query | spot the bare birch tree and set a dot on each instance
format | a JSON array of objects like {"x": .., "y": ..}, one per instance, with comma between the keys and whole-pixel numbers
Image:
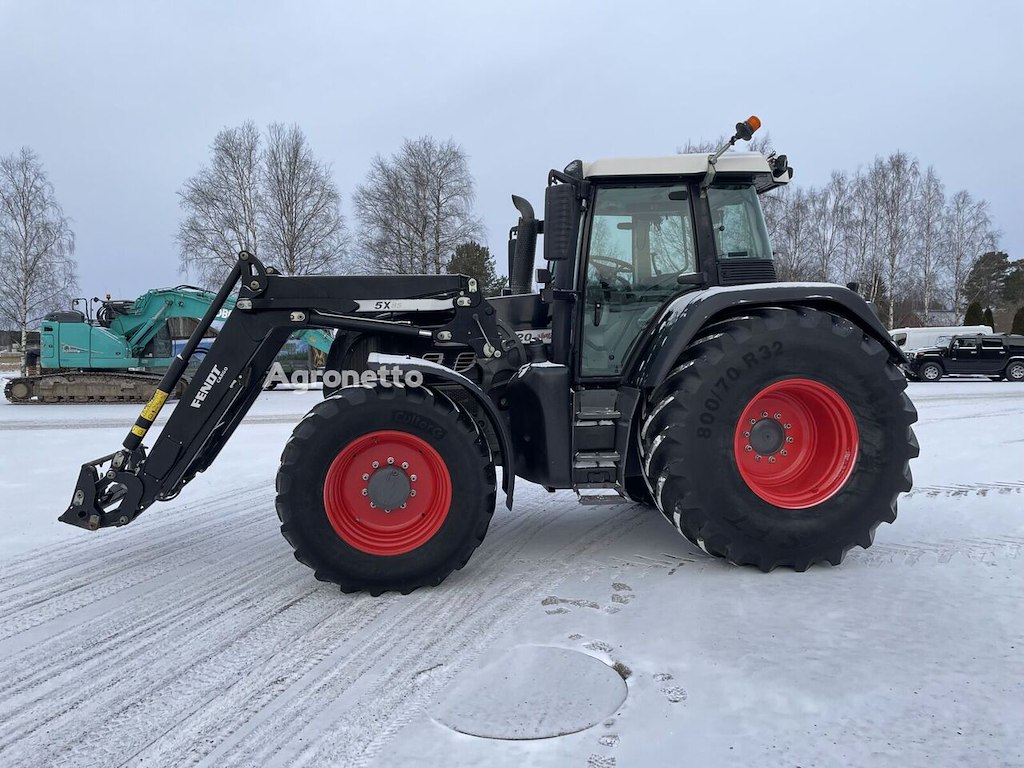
[
  {"x": 788, "y": 217},
  {"x": 928, "y": 215},
  {"x": 37, "y": 268},
  {"x": 968, "y": 234},
  {"x": 898, "y": 176},
  {"x": 864, "y": 236},
  {"x": 270, "y": 197},
  {"x": 828, "y": 210},
  {"x": 221, "y": 205},
  {"x": 416, "y": 207},
  {"x": 302, "y": 231}
]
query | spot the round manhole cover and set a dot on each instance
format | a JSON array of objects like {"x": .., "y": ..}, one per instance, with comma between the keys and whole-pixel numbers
[{"x": 532, "y": 692}]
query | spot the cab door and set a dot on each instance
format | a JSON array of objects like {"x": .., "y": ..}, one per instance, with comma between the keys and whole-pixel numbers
[{"x": 640, "y": 240}]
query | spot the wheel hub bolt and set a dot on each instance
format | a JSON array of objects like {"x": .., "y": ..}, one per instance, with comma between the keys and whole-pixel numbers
[
  {"x": 412, "y": 492},
  {"x": 365, "y": 492},
  {"x": 748, "y": 448},
  {"x": 375, "y": 464},
  {"x": 764, "y": 414},
  {"x": 391, "y": 459},
  {"x": 787, "y": 425},
  {"x": 771, "y": 459},
  {"x": 778, "y": 416},
  {"x": 789, "y": 439},
  {"x": 413, "y": 478},
  {"x": 366, "y": 476},
  {"x": 757, "y": 458},
  {"x": 405, "y": 465},
  {"x": 783, "y": 452},
  {"x": 372, "y": 505}
]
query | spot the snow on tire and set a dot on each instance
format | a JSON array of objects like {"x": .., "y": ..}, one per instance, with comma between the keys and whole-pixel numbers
[{"x": 782, "y": 438}]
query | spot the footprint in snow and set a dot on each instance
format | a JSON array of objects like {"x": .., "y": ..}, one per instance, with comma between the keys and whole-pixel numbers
[
  {"x": 553, "y": 600},
  {"x": 673, "y": 693}
]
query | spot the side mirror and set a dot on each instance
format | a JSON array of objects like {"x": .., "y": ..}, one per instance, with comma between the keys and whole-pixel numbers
[{"x": 561, "y": 222}]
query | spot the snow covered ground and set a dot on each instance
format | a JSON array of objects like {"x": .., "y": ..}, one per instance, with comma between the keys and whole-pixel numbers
[{"x": 192, "y": 637}]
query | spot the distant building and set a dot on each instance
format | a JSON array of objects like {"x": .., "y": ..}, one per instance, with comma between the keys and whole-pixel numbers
[{"x": 10, "y": 341}]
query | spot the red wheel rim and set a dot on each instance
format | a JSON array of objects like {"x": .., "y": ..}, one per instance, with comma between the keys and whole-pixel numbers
[
  {"x": 415, "y": 518},
  {"x": 796, "y": 443}
]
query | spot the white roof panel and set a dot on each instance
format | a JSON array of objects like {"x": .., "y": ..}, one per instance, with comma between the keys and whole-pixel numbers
[{"x": 676, "y": 165}]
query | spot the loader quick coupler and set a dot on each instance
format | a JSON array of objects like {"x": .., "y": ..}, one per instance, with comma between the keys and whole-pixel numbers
[{"x": 110, "y": 499}]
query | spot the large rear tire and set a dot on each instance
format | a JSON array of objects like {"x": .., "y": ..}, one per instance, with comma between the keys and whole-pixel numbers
[
  {"x": 385, "y": 489},
  {"x": 782, "y": 438}
]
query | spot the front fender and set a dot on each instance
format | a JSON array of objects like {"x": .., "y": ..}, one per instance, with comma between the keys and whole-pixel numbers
[
  {"x": 427, "y": 368},
  {"x": 682, "y": 319}
]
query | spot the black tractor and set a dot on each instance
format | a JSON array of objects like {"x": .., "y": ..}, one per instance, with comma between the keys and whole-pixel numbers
[{"x": 660, "y": 361}]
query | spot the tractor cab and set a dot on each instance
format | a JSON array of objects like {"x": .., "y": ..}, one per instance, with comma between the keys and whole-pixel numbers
[{"x": 623, "y": 237}]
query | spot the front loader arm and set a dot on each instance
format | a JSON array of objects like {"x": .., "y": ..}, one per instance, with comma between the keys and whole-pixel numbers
[{"x": 268, "y": 310}]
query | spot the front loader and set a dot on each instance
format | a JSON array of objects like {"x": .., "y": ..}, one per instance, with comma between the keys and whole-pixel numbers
[{"x": 660, "y": 361}]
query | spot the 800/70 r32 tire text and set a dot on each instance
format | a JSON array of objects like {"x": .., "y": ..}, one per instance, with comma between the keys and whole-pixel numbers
[
  {"x": 385, "y": 489},
  {"x": 782, "y": 438}
]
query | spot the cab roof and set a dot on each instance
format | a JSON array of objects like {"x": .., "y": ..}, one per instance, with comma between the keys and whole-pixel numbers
[{"x": 676, "y": 165}]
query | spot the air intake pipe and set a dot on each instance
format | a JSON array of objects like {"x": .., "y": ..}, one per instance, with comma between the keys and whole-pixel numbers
[{"x": 523, "y": 247}]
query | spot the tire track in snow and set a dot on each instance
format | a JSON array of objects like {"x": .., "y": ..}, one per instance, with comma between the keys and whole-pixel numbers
[
  {"x": 125, "y": 422},
  {"x": 160, "y": 646},
  {"x": 42, "y": 585},
  {"x": 371, "y": 675},
  {"x": 75, "y": 676},
  {"x": 497, "y": 614},
  {"x": 957, "y": 489},
  {"x": 983, "y": 549}
]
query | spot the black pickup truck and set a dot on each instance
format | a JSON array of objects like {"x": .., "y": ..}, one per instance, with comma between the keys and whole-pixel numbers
[{"x": 997, "y": 356}]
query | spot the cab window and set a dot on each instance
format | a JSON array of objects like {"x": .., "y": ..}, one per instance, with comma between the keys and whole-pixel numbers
[
  {"x": 641, "y": 239},
  {"x": 738, "y": 222}
]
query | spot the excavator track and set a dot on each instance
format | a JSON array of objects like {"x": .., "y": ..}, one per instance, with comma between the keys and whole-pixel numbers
[{"x": 86, "y": 387}]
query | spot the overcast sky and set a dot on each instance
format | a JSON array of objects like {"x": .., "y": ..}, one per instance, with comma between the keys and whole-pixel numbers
[{"x": 121, "y": 100}]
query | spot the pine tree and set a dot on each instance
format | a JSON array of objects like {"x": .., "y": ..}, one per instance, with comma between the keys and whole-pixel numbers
[
  {"x": 1018, "y": 321},
  {"x": 989, "y": 320},
  {"x": 476, "y": 261},
  {"x": 974, "y": 314}
]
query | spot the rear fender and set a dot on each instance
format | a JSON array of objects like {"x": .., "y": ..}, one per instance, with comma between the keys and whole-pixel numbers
[
  {"x": 683, "y": 318},
  {"x": 435, "y": 371}
]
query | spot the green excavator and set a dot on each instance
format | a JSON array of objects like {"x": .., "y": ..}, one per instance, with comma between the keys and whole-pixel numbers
[{"x": 120, "y": 354}]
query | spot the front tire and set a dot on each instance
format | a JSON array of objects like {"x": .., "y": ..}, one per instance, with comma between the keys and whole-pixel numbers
[
  {"x": 929, "y": 372},
  {"x": 1015, "y": 371},
  {"x": 385, "y": 489},
  {"x": 782, "y": 438}
]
